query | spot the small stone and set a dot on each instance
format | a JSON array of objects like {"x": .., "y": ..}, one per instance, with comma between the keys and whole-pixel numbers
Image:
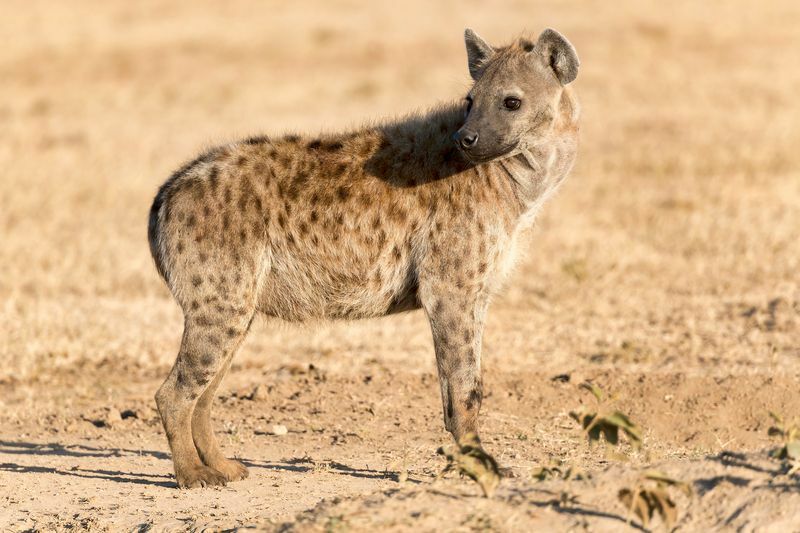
[
  {"x": 112, "y": 417},
  {"x": 260, "y": 394},
  {"x": 279, "y": 429}
]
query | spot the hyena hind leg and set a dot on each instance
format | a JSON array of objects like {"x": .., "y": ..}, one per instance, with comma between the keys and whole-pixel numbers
[
  {"x": 205, "y": 353},
  {"x": 203, "y": 434}
]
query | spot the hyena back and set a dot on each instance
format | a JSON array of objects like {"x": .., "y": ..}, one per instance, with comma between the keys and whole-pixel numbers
[{"x": 422, "y": 212}]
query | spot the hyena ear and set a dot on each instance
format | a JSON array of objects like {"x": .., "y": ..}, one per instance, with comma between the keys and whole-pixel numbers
[
  {"x": 559, "y": 54},
  {"x": 478, "y": 53}
]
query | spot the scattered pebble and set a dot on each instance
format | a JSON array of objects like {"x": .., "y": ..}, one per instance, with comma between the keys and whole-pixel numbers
[
  {"x": 112, "y": 417},
  {"x": 279, "y": 429},
  {"x": 260, "y": 394}
]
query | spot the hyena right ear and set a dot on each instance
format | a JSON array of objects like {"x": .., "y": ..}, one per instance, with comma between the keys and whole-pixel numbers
[{"x": 478, "y": 53}]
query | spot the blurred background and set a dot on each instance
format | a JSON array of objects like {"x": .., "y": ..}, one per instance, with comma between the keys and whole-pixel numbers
[
  {"x": 682, "y": 212},
  {"x": 667, "y": 269}
]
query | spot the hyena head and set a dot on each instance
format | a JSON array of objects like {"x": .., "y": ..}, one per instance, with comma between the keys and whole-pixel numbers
[{"x": 514, "y": 99}]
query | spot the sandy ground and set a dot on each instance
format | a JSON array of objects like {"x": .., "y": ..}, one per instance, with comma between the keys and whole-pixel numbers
[{"x": 666, "y": 270}]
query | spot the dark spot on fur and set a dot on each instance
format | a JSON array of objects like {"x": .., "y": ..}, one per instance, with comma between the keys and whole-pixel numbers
[
  {"x": 313, "y": 145},
  {"x": 243, "y": 236},
  {"x": 231, "y": 332},
  {"x": 334, "y": 146},
  {"x": 240, "y": 161},
  {"x": 282, "y": 221},
  {"x": 449, "y": 405},
  {"x": 342, "y": 193},
  {"x": 313, "y": 217},
  {"x": 197, "y": 281},
  {"x": 180, "y": 247},
  {"x": 207, "y": 359},
  {"x": 292, "y": 138},
  {"x": 206, "y": 211},
  {"x": 204, "y": 320},
  {"x": 527, "y": 46},
  {"x": 213, "y": 178},
  {"x": 396, "y": 253},
  {"x": 256, "y": 139},
  {"x": 397, "y": 214},
  {"x": 191, "y": 221},
  {"x": 474, "y": 398},
  {"x": 228, "y": 194},
  {"x": 341, "y": 168},
  {"x": 203, "y": 257},
  {"x": 303, "y": 228},
  {"x": 195, "y": 305}
]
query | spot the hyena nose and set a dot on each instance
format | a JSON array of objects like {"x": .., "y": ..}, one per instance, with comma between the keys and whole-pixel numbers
[{"x": 467, "y": 138}]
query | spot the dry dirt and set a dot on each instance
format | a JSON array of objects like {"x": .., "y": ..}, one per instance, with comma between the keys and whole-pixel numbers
[{"x": 666, "y": 270}]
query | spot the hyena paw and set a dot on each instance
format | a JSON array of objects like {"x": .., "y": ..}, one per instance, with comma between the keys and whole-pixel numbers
[
  {"x": 232, "y": 470},
  {"x": 200, "y": 476}
]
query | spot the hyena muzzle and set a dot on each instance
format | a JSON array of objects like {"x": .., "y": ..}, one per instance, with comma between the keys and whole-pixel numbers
[{"x": 420, "y": 212}]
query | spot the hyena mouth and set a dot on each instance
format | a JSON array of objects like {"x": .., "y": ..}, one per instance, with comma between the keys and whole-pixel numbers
[{"x": 490, "y": 156}]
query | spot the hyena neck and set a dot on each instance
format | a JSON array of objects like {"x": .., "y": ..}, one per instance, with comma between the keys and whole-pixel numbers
[
  {"x": 537, "y": 171},
  {"x": 421, "y": 146}
]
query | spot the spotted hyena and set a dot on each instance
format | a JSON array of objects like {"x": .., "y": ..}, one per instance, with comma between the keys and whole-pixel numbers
[{"x": 421, "y": 212}]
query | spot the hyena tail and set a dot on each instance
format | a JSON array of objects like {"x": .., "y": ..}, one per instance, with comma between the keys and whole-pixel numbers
[{"x": 153, "y": 229}]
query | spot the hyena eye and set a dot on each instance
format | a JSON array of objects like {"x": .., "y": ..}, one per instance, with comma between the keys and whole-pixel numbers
[
  {"x": 512, "y": 103},
  {"x": 469, "y": 103}
]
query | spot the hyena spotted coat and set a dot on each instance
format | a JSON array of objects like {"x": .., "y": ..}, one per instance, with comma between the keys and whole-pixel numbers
[{"x": 420, "y": 212}]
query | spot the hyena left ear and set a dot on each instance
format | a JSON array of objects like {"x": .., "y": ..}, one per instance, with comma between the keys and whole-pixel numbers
[
  {"x": 558, "y": 54},
  {"x": 478, "y": 53}
]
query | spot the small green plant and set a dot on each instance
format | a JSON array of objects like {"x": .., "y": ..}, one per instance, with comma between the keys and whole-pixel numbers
[
  {"x": 559, "y": 471},
  {"x": 650, "y": 496},
  {"x": 469, "y": 458},
  {"x": 789, "y": 433},
  {"x": 605, "y": 422}
]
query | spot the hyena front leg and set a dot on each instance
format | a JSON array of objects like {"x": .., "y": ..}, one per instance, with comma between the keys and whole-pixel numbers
[
  {"x": 209, "y": 342},
  {"x": 456, "y": 321}
]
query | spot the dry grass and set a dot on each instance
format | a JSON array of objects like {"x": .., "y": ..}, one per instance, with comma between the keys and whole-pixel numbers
[
  {"x": 673, "y": 248},
  {"x": 681, "y": 214}
]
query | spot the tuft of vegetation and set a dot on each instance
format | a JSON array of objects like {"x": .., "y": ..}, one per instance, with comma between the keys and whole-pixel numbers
[
  {"x": 559, "y": 471},
  {"x": 789, "y": 451},
  {"x": 605, "y": 422},
  {"x": 470, "y": 459},
  {"x": 650, "y": 496}
]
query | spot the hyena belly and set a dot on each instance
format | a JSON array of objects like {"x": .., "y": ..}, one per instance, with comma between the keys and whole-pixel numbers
[{"x": 334, "y": 253}]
